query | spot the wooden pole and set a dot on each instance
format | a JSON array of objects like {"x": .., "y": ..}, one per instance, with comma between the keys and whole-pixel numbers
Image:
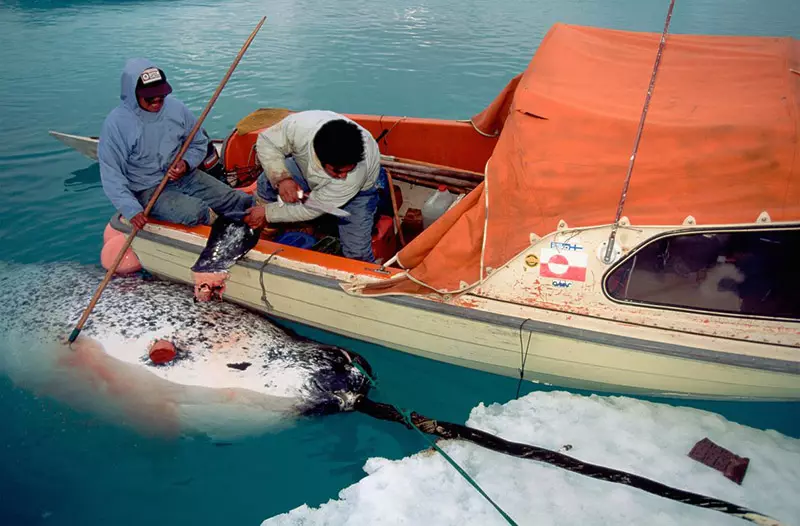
[
  {"x": 454, "y": 173},
  {"x": 459, "y": 183},
  {"x": 394, "y": 209},
  {"x": 178, "y": 158},
  {"x": 393, "y": 159},
  {"x": 431, "y": 184}
]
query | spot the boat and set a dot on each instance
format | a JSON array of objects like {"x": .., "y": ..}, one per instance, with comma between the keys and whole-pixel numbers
[{"x": 675, "y": 279}]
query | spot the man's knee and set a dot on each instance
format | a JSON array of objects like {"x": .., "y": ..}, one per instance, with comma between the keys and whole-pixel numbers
[
  {"x": 193, "y": 217},
  {"x": 189, "y": 212},
  {"x": 201, "y": 217}
]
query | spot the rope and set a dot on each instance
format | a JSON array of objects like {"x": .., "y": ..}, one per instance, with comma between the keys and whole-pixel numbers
[
  {"x": 382, "y": 136},
  {"x": 523, "y": 355},
  {"x": 261, "y": 278},
  {"x": 626, "y": 185},
  {"x": 410, "y": 424},
  {"x": 481, "y": 132}
]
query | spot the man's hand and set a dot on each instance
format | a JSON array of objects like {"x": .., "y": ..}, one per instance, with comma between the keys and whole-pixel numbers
[
  {"x": 139, "y": 220},
  {"x": 178, "y": 171},
  {"x": 256, "y": 217},
  {"x": 288, "y": 190}
]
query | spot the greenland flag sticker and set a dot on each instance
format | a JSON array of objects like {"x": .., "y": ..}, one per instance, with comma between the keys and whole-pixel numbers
[{"x": 563, "y": 264}]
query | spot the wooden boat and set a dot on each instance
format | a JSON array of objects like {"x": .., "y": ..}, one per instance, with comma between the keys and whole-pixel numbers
[{"x": 692, "y": 293}]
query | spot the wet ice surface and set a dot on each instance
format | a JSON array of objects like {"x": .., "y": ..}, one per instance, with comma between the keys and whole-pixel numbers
[{"x": 639, "y": 437}]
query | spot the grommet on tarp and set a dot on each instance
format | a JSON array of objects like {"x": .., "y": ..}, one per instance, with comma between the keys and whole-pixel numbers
[
  {"x": 730, "y": 464},
  {"x": 763, "y": 217},
  {"x": 162, "y": 352}
]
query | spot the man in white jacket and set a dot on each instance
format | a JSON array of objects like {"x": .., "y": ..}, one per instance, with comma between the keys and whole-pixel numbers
[{"x": 329, "y": 156}]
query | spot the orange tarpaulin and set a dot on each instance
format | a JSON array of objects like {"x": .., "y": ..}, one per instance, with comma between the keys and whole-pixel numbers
[{"x": 720, "y": 143}]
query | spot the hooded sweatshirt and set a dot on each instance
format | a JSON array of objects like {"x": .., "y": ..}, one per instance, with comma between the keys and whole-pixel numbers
[
  {"x": 294, "y": 136},
  {"x": 137, "y": 146}
]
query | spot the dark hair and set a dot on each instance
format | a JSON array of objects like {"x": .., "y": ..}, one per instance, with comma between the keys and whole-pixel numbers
[{"x": 339, "y": 143}]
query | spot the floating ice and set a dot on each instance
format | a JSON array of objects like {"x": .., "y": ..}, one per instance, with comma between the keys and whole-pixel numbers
[{"x": 644, "y": 438}]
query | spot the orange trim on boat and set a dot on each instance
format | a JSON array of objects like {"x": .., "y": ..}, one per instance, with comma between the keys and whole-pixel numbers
[{"x": 300, "y": 255}]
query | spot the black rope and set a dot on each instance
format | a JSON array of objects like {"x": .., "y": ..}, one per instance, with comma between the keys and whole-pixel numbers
[
  {"x": 386, "y": 131},
  {"x": 523, "y": 353},
  {"x": 452, "y": 431},
  {"x": 383, "y": 134}
]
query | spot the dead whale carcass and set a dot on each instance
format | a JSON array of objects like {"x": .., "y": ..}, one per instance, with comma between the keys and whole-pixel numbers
[{"x": 222, "y": 351}]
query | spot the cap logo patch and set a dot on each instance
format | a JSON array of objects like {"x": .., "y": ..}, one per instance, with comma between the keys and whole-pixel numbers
[{"x": 150, "y": 75}]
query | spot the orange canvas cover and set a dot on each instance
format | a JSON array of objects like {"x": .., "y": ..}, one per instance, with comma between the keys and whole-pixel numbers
[{"x": 720, "y": 143}]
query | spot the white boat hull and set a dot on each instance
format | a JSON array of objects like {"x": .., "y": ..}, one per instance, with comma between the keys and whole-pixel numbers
[
  {"x": 566, "y": 349},
  {"x": 487, "y": 339}
]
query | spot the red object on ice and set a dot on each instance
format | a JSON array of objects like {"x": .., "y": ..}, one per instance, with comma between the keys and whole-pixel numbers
[
  {"x": 162, "y": 352},
  {"x": 730, "y": 464}
]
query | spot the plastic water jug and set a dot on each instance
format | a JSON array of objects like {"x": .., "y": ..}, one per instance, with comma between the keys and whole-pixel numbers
[{"x": 436, "y": 205}]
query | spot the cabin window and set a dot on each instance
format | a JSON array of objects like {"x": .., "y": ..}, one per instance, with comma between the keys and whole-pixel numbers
[{"x": 749, "y": 272}]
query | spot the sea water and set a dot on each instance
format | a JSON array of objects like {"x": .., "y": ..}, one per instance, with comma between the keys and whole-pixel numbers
[{"x": 437, "y": 58}]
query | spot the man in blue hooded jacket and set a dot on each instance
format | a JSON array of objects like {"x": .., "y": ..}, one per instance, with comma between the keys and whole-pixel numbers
[{"x": 139, "y": 140}]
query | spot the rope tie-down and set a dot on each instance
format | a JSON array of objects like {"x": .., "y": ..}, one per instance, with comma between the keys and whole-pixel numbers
[{"x": 447, "y": 430}]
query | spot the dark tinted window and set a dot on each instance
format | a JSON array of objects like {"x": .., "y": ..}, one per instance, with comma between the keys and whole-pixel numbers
[{"x": 749, "y": 272}]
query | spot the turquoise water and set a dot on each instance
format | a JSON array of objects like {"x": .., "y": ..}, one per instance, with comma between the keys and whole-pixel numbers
[{"x": 436, "y": 58}]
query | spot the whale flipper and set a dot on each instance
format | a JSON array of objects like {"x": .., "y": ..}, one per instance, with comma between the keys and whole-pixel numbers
[{"x": 228, "y": 242}]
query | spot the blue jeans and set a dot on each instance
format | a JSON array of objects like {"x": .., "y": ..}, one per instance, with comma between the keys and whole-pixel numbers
[
  {"x": 187, "y": 200},
  {"x": 355, "y": 232}
]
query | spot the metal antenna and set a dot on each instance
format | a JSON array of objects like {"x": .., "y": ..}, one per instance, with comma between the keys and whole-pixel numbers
[{"x": 613, "y": 236}]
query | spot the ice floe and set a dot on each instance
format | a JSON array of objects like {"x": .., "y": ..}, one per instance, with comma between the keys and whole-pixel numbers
[{"x": 644, "y": 438}]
